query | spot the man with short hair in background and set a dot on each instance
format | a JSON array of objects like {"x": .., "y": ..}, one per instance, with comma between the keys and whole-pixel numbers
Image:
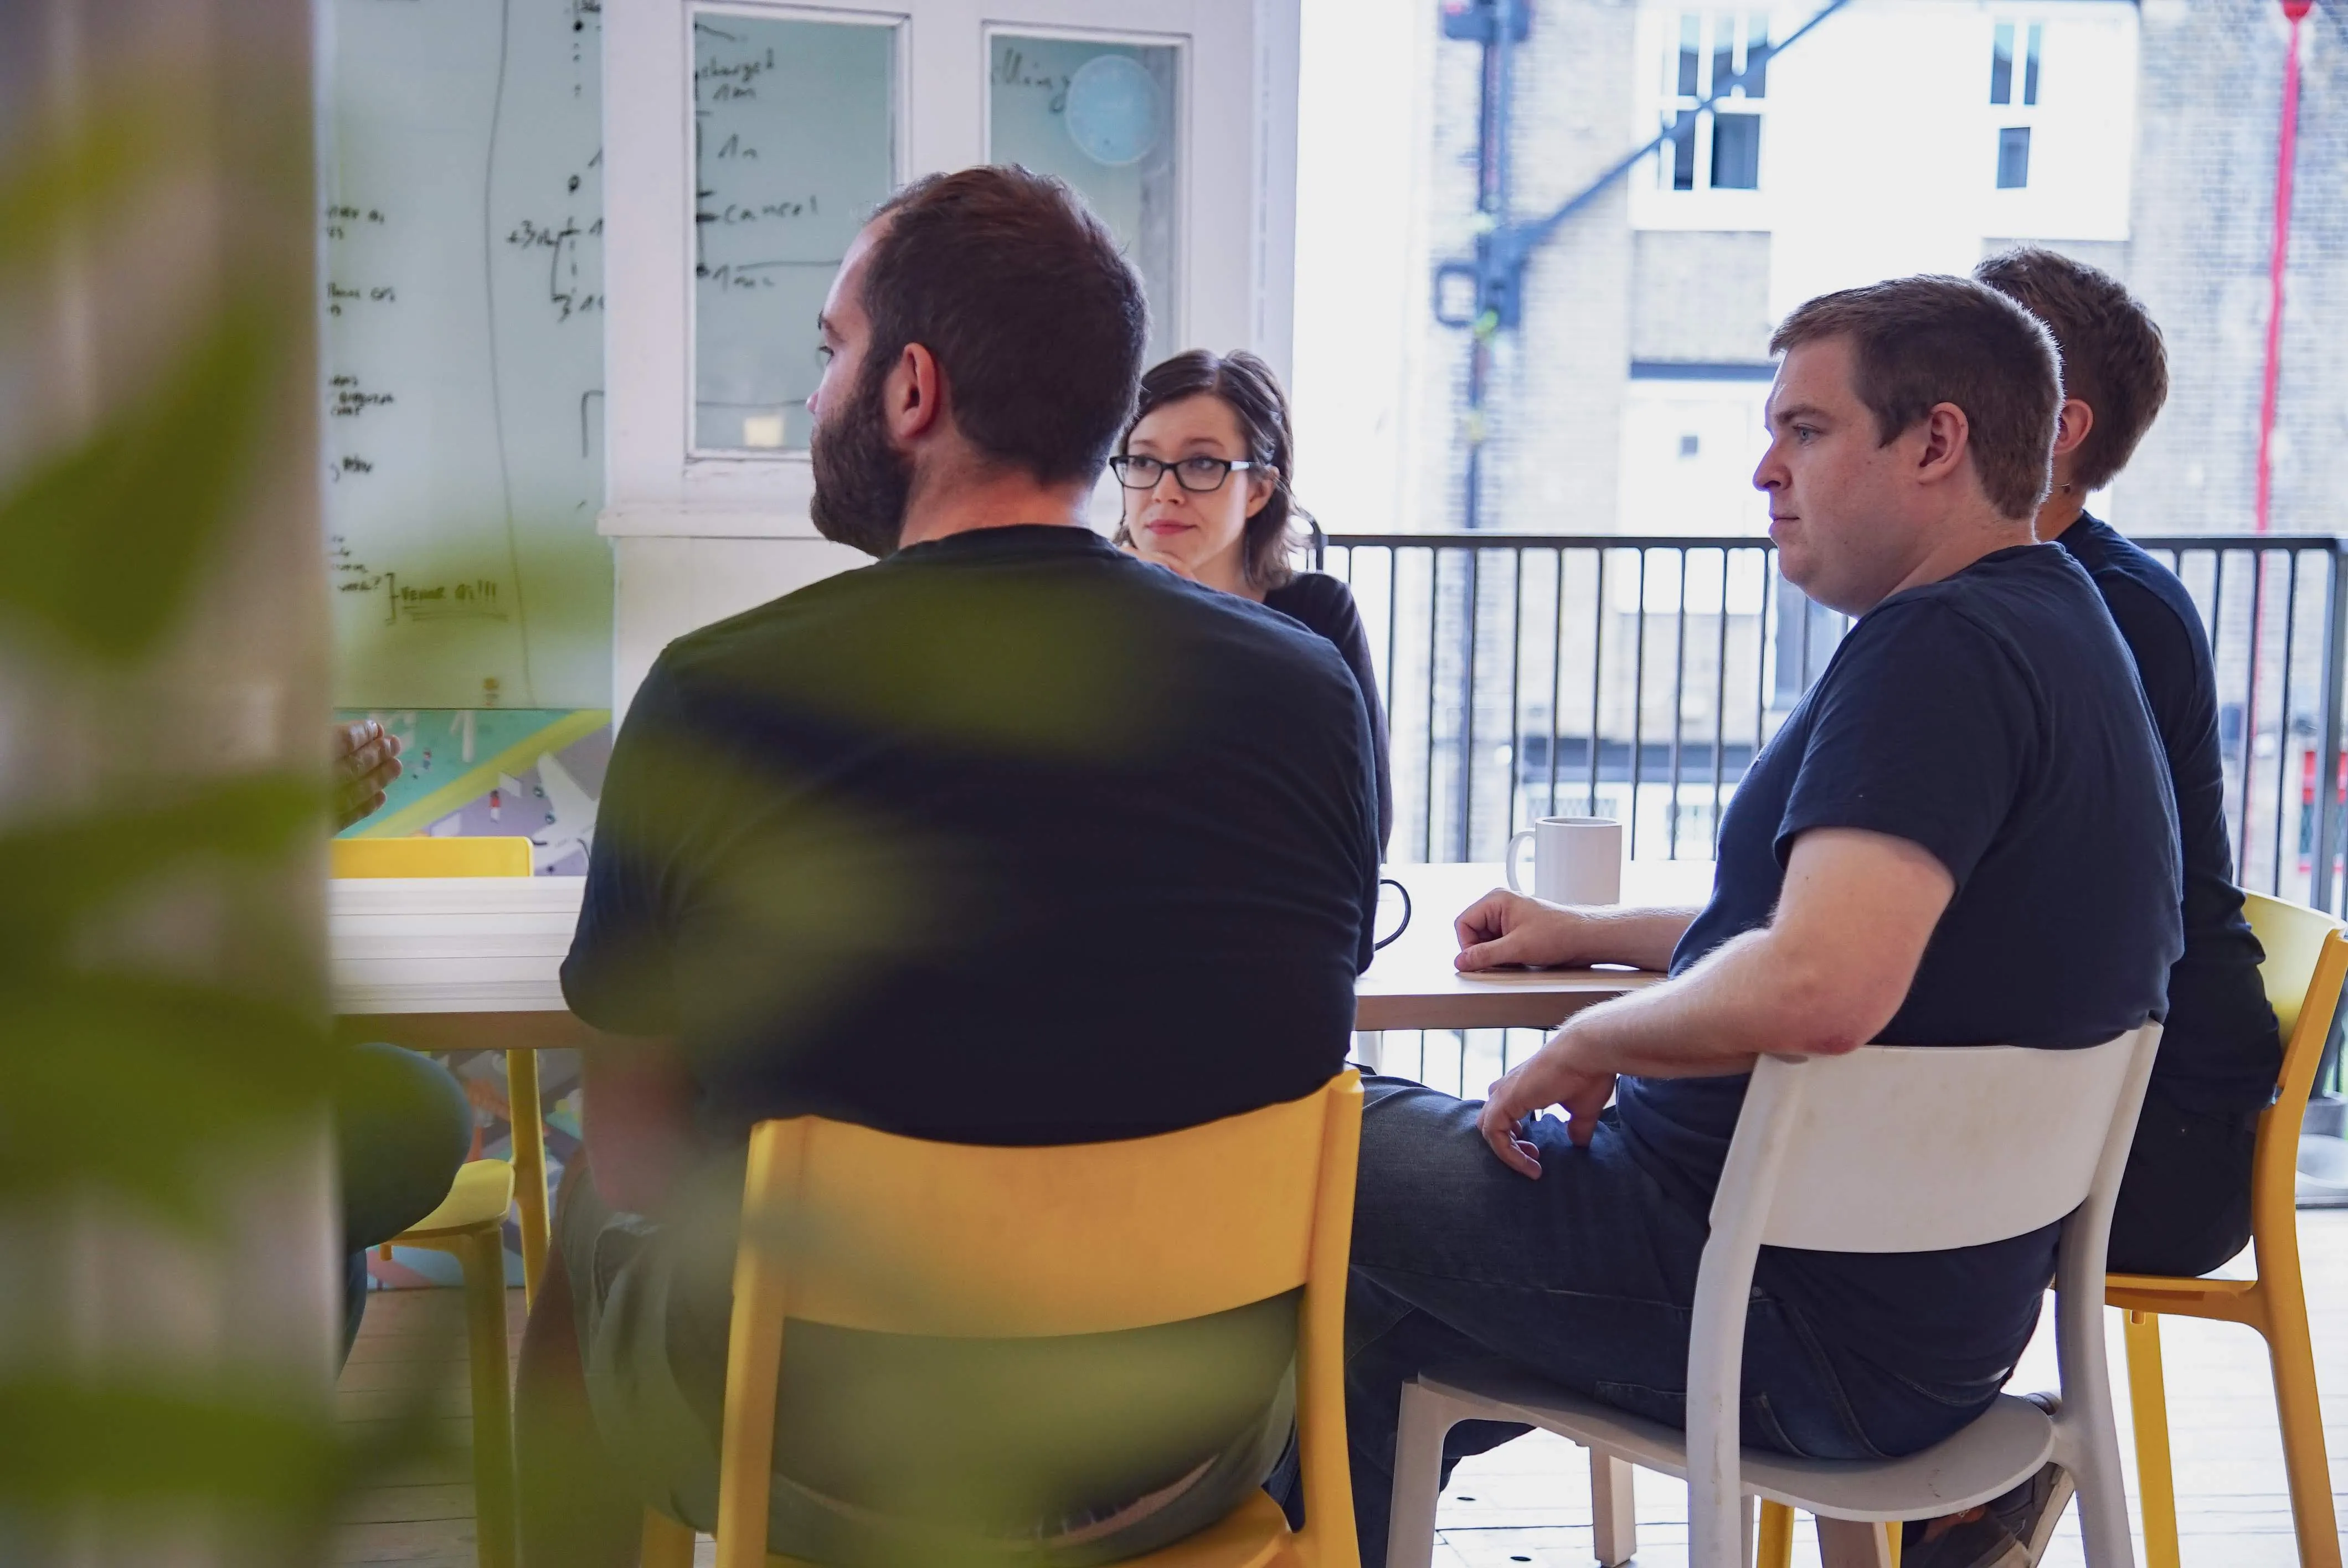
[
  {"x": 1008, "y": 839},
  {"x": 1962, "y": 836},
  {"x": 2185, "y": 1203}
]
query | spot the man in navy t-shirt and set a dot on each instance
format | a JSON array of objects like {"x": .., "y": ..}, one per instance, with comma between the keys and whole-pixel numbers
[
  {"x": 1962, "y": 836},
  {"x": 2185, "y": 1205}
]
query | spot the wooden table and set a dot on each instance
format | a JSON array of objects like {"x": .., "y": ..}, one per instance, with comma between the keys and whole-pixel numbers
[
  {"x": 458, "y": 963},
  {"x": 474, "y": 963},
  {"x": 1412, "y": 984}
]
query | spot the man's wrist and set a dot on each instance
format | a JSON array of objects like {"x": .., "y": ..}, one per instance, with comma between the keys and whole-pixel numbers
[{"x": 1579, "y": 1047}]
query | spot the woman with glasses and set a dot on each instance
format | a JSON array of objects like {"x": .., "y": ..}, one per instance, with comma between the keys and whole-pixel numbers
[{"x": 1205, "y": 465}]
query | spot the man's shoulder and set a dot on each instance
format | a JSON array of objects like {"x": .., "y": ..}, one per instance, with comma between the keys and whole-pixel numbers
[
  {"x": 2144, "y": 596},
  {"x": 761, "y": 629}
]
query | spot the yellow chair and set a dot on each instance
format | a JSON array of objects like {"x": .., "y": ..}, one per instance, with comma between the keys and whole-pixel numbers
[
  {"x": 2307, "y": 959},
  {"x": 1085, "y": 1239},
  {"x": 469, "y": 1224}
]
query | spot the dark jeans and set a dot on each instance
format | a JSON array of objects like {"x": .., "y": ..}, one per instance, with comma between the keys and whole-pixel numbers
[
  {"x": 402, "y": 1127},
  {"x": 2185, "y": 1203},
  {"x": 1586, "y": 1277}
]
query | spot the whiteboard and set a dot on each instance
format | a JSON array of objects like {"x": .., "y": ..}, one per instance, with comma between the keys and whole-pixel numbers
[
  {"x": 464, "y": 354},
  {"x": 795, "y": 143}
]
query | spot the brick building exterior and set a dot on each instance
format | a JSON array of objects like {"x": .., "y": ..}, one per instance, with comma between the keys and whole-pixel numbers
[
  {"x": 1609, "y": 304},
  {"x": 2210, "y": 91}
]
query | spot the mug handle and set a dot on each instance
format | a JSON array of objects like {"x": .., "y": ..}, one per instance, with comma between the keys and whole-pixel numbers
[
  {"x": 1509, "y": 858},
  {"x": 1378, "y": 943}
]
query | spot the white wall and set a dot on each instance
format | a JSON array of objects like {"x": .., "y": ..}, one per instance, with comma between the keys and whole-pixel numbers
[{"x": 1361, "y": 258}]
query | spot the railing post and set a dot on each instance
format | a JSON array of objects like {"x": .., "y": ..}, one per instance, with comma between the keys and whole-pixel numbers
[{"x": 2322, "y": 890}]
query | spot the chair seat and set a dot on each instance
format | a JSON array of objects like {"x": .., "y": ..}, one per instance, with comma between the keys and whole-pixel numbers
[
  {"x": 2008, "y": 1442},
  {"x": 2128, "y": 1289},
  {"x": 1253, "y": 1535},
  {"x": 480, "y": 1195}
]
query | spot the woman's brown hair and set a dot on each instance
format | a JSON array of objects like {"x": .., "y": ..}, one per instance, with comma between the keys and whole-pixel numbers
[{"x": 1247, "y": 387}]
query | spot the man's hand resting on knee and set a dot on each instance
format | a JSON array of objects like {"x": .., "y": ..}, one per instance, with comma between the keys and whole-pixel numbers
[{"x": 1828, "y": 972}]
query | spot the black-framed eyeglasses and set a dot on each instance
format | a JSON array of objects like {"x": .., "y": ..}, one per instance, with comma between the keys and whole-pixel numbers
[{"x": 1199, "y": 475}]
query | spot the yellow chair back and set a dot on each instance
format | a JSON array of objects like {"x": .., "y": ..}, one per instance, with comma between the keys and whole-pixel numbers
[
  {"x": 845, "y": 1225},
  {"x": 420, "y": 856},
  {"x": 2306, "y": 963}
]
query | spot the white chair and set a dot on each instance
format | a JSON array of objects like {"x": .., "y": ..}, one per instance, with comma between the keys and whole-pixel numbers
[{"x": 1889, "y": 1149}]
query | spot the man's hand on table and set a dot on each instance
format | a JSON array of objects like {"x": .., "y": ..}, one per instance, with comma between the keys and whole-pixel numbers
[
  {"x": 1557, "y": 1074},
  {"x": 366, "y": 762},
  {"x": 1504, "y": 928}
]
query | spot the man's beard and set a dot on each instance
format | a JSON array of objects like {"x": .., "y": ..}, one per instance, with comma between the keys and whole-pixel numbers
[{"x": 862, "y": 483}]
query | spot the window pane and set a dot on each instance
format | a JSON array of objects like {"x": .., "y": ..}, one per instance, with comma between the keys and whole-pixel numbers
[
  {"x": 1756, "y": 56},
  {"x": 2001, "y": 65},
  {"x": 1691, "y": 44},
  {"x": 2014, "y": 158},
  {"x": 1736, "y": 152},
  {"x": 1101, "y": 116},
  {"x": 1683, "y": 129},
  {"x": 1723, "y": 52},
  {"x": 794, "y": 143},
  {"x": 2029, "y": 68}
]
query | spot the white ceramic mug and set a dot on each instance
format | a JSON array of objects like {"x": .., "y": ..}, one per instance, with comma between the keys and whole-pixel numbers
[{"x": 1576, "y": 859}]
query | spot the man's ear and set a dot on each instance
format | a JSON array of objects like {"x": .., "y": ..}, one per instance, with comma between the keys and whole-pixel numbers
[
  {"x": 1946, "y": 441},
  {"x": 2073, "y": 420},
  {"x": 913, "y": 399}
]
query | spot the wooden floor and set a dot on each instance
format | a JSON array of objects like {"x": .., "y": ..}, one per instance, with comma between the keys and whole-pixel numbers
[{"x": 1527, "y": 1503}]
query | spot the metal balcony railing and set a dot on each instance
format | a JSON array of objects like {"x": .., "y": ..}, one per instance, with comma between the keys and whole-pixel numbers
[{"x": 1635, "y": 677}]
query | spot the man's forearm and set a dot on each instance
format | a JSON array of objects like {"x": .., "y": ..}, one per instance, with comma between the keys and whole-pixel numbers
[
  {"x": 1750, "y": 996},
  {"x": 1642, "y": 936},
  {"x": 635, "y": 1117}
]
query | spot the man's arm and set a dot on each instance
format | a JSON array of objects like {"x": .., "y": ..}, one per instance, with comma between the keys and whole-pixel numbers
[
  {"x": 635, "y": 1117},
  {"x": 1823, "y": 978},
  {"x": 1503, "y": 928}
]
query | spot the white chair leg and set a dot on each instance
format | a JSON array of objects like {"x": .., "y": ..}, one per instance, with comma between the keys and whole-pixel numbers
[
  {"x": 1852, "y": 1543},
  {"x": 1370, "y": 1049},
  {"x": 1748, "y": 1509},
  {"x": 1426, "y": 1419},
  {"x": 1612, "y": 1509},
  {"x": 2102, "y": 1498}
]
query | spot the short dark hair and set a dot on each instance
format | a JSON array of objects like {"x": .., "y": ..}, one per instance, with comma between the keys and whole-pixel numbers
[
  {"x": 1035, "y": 317},
  {"x": 1247, "y": 387},
  {"x": 2113, "y": 358},
  {"x": 1928, "y": 340}
]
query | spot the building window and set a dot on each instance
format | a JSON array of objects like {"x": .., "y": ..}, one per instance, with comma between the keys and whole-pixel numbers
[
  {"x": 2014, "y": 158},
  {"x": 1725, "y": 55},
  {"x": 1736, "y": 153},
  {"x": 2001, "y": 64},
  {"x": 2013, "y": 53}
]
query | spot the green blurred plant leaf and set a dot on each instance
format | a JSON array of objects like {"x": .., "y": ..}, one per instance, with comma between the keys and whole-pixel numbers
[
  {"x": 122, "y": 145},
  {"x": 134, "y": 1084},
  {"x": 100, "y": 543},
  {"x": 57, "y": 869}
]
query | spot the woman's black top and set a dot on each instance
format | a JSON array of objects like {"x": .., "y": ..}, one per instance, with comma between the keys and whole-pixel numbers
[{"x": 1325, "y": 605}]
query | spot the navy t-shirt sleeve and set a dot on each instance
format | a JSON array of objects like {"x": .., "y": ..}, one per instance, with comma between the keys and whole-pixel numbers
[
  {"x": 1926, "y": 734},
  {"x": 2170, "y": 654},
  {"x": 620, "y": 975}
]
